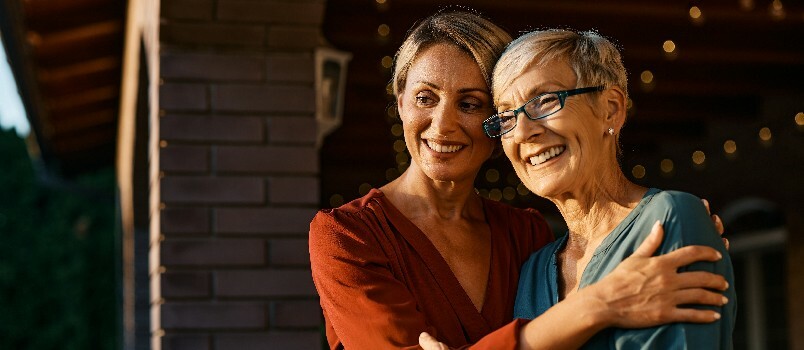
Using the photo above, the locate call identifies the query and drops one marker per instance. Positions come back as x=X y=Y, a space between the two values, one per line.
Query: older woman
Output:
x=427 y=253
x=561 y=97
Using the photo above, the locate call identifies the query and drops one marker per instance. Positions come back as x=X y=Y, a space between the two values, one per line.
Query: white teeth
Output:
x=443 y=148
x=546 y=155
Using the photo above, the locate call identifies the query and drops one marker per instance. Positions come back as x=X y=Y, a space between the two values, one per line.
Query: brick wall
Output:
x=239 y=175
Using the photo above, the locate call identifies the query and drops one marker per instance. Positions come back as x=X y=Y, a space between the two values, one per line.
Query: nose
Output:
x=445 y=120
x=526 y=129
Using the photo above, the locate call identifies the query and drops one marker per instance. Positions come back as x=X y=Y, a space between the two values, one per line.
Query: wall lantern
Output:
x=330 y=82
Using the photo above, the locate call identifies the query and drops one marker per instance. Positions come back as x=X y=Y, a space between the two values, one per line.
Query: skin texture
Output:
x=442 y=108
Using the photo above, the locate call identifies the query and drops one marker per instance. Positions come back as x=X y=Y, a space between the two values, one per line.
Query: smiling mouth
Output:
x=547 y=155
x=443 y=148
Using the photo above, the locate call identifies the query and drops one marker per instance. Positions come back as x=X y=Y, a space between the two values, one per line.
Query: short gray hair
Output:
x=593 y=58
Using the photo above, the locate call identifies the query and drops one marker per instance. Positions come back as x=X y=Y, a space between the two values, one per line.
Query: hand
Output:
x=718 y=223
x=645 y=291
x=427 y=342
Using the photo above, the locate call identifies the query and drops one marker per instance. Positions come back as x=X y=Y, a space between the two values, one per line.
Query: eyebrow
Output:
x=464 y=90
x=535 y=91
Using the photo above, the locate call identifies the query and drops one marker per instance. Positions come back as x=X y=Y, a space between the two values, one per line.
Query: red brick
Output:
x=273 y=340
x=213 y=252
x=187 y=97
x=212 y=34
x=198 y=315
x=299 y=130
x=293 y=37
x=212 y=67
x=186 y=342
x=185 y=220
x=211 y=128
x=185 y=284
x=263 y=220
x=297 y=313
x=186 y=189
x=290 y=67
x=184 y=158
x=293 y=190
x=263 y=283
x=289 y=251
x=187 y=9
x=269 y=159
x=263 y=98
x=271 y=11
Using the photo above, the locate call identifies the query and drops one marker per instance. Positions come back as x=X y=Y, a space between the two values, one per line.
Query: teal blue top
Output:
x=685 y=223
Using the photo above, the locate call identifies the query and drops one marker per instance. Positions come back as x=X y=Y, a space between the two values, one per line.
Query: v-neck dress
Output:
x=685 y=222
x=382 y=282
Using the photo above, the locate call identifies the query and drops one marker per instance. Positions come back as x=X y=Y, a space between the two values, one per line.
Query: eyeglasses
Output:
x=539 y=107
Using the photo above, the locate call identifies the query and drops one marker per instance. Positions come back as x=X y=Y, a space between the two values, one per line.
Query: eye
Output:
x=425 y=99
x=471 y=105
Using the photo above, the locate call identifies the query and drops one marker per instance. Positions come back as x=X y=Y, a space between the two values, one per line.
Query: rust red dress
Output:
x=382 y=282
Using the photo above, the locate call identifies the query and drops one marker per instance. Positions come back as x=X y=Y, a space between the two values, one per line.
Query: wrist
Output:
x=595 y=312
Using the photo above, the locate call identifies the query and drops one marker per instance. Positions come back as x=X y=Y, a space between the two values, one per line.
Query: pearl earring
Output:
x=611 y=131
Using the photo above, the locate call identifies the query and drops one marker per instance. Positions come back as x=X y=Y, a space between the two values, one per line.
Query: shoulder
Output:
x=352 y=222
x=675 y=200
x=684 y=218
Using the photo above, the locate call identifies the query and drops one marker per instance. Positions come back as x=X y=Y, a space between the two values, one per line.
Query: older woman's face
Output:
x=442 y=107
x=564 y=151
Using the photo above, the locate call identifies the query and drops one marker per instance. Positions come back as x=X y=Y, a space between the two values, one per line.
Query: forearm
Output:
x=568 y=324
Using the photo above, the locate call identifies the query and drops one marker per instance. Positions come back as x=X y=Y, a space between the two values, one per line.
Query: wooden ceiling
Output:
x=67 y=56
x=725 y=64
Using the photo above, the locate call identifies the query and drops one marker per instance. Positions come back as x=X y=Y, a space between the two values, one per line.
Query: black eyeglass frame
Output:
x=493 y=123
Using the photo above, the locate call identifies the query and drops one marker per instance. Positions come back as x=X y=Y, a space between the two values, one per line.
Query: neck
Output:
x=592 y=211
x=417 y=195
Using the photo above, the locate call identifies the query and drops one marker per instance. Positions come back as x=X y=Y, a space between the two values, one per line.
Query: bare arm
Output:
x=643 y=291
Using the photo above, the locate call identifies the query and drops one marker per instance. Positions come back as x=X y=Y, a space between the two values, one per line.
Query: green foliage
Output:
x=57 y=257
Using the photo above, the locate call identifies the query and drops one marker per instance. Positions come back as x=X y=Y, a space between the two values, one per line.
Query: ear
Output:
x=614 y=97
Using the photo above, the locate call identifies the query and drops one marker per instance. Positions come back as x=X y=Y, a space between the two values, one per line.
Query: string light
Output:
x=777 y=10
x=380 y=1
x=399 y=146
x=396 y=130
x=401 y=158
x=492 y=175
x=669 y=46
x=495 y=194
x=698 y=157
x=765 y=134
x=483 y=192
x=402 y=167
x=336 y=200
x=695 y=12
x=509 y=193
x=646 y=76
x=522 y=189
x=747 y=5
x=800 y=118
x=666 y=165
x=163 y=144
x=730 y=147
x=383 y=30
x=364 y=189
x=638 y=171
x=389 y=89
x=387 y=62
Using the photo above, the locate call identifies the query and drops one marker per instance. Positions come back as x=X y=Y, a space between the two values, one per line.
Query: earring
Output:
x=611 y=131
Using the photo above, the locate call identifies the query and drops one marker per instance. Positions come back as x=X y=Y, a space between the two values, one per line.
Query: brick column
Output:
x=239 y=175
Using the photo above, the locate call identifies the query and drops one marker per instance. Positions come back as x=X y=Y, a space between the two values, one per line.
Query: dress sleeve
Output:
x=686 y=223
x=366 y=305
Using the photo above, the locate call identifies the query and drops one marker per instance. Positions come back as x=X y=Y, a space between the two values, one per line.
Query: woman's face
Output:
x=564 y=151
x=442 y=107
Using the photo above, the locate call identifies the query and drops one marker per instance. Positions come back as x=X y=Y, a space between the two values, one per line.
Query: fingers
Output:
x=699 y=296
x=690 y=254
x=427 y=342
x=702 y=279
x=706 y=204
x=693 y=315
x=726 y=242
x=718 y=224
x=652 y=242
